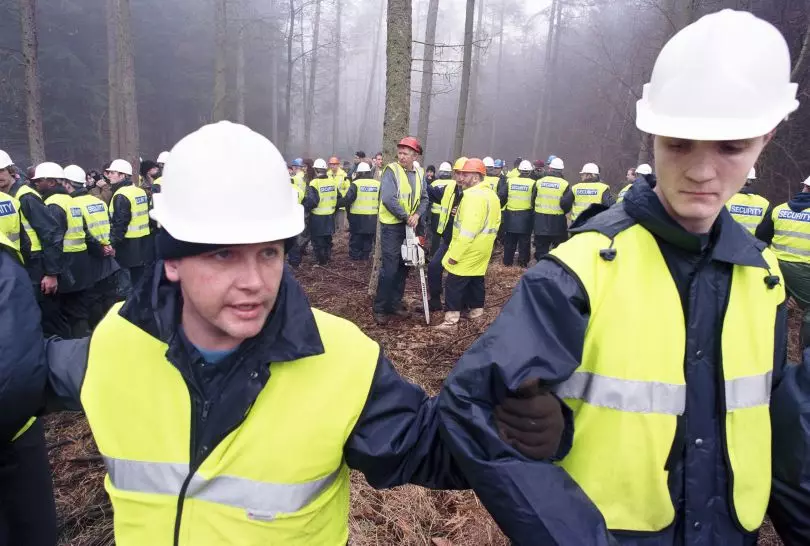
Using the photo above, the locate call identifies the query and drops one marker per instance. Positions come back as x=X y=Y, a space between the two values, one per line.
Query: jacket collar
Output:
x=290 y=332
x=54 y=191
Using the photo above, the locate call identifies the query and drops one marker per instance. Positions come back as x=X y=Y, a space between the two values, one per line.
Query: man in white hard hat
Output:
x=43 y=261
x=362 y=200
x=321 y=202
x=589 y=191
x=643 y=174
x=517 y=193
x=553 y=201
x=748 y=208
x=129 y=226
x=163 y=157
x=673 y=440
x=493 y=176
x=227 y=410
x=435 y=192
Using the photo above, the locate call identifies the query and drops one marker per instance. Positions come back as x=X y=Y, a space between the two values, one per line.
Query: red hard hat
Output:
x=334 y=161
x=412 y=143
x=474 y=165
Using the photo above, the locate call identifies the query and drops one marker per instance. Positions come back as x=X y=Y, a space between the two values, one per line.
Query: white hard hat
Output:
x=489 y=163
x=5 y=160
x=724 y=77
x=363 y=167
x=589 y=168
x=644 y=169
x=319 y=164
x=48 y=170
x=76 y=174
x=806 y=181
x=416 y=165
x=163 y=157
x=752 y=174
x=445 y=167
x=525 y=166
x=233 y=208
x=121 y=166
x=556 y=164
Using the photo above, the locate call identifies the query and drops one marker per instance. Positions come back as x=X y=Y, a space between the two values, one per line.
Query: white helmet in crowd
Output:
x=445 y=167
x=195 y=207
x=752 y=174
x=363 y=167
x=489 y=163
x=5 y=160
x=589 y=168
x=724 y=77
x=556 y=164
x=163 y=158
x=121 y=166
x=76 y=174
x=48 y=170
x=525 y=166
x=644 y=168
x=319 y=164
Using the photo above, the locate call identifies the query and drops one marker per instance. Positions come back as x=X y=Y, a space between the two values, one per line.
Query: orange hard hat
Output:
x=474 y=165
x=334 y=161
x=412 y=143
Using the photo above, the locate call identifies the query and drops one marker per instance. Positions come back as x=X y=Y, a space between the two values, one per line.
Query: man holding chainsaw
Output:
x=403 y=201
x=474 y=231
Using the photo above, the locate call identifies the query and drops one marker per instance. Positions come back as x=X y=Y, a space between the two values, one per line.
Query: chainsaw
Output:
x=414 y=256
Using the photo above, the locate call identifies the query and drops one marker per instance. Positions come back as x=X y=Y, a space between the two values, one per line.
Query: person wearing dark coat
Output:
x=517 y=193
x=133 y=254
x=553 y=201
x=450 y=193
x=321 y=202
x=362 y=201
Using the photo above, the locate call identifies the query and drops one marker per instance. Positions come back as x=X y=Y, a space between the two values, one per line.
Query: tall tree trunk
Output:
x=497 y=83
x=274 y=83
x=240 y=62
x=552 y=77
x=427 y=72
x=288 y=87
x=538 y=128
x=220 y=69
x=129 y=106
x=397 y=94
x=113 y=89
x=313 y=70
x=372 y=81
x=33 y=116
x=475 y=72
x=336 y=105
x=461 y=119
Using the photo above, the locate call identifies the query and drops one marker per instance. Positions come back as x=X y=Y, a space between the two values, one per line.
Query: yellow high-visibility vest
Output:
x=279 y=477
x=492 y=182
x=10 y=220
x=626 y=411
x=748 y=209
x=550 y=190
x=791 y=234
x=139 y=207
x=368 y=197
x=74 y=240
x=623 y=191
x=585 y=195
x=299 y=181
x=408 y=200
x=36 y=246
x=327 y=192
x=474 y=231
x=446 y=206
x=519 y=195
x=435 y=208
x=96 y=217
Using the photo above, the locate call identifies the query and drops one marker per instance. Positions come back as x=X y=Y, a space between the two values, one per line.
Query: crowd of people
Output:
x=634 y=390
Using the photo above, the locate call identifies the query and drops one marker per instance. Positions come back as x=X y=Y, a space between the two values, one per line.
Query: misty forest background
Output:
x=84 y=81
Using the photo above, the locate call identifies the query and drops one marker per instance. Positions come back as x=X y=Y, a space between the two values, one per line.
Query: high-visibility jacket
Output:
x=36 y=245
x=299 y=191
x=446 y=206
x=327 y=194
x=156 y=184
x=474 y=231
x=492 y=182
x=626 y=410
x=408 y=200
x=585 y=195
x=791 y=234
x=278 y=477
x=435 y=208
x=519 y=195
x=550 y=190
x=74 y=240
x=341 y=180
x=139 y=206
x=624 y=190
x=748 y=209
x=299 y=181
x=10 y=220
x=7 y=242
x=514 y=173
x=368 y=197
x=96 y=217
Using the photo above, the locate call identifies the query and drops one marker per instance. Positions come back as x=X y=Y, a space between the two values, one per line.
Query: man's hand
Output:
x=413 y=220
x=49 y=284
x=108 y=250
x=451 y=261
x=531 y=421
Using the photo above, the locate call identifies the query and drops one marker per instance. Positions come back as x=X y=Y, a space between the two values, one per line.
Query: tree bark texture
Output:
x=288 y=87
x=498 y=77
x=129 y=106
x=461 y=118
x=551 y=80
x=240 y=64
x=220 y=60
x=427 y=72
x=365 y=122
x=309 y=112
x=33 y=115
x=475 y=72
x=546 y=80
x=336 y=103
x=113 y=92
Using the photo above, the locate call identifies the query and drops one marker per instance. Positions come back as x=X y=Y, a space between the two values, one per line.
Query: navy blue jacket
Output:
x=540 y=334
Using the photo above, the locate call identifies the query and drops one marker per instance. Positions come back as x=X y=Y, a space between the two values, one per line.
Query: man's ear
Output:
x=172 y=269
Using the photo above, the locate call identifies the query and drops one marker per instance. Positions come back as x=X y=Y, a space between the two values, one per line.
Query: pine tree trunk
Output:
x=240 y=75
x=113 y=89
x=288 y=87
x=220 y=69
x=129 y=106
x=551 y=79
x=461 y=118
x=274 y=84
x=33 y=116
x=336 y=104
x=475 y=73
x=498 y=78
x=309 y=113
x=372 y=82
x=427 y=72
x=541 y=111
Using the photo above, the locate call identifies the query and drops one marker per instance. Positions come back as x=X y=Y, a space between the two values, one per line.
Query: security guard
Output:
x=44 y=261
x=448 y=198
x=590 y=191
x=553 y=201
x=298 y=176
x=515 y=172
x=321 y=203
x=363 y=201
x=163 y=157
x=747 y=207
x=104 y=292
x=435 y=193
x=672 y=427
x=11 y=225
x=129 y=226
x=341 y=180
x=251 y=405
x=642 y=174
x=493 y=176
x=474 y=231
x=403 y=200
x=78 y=275
x=517 y=193
x=294 y=247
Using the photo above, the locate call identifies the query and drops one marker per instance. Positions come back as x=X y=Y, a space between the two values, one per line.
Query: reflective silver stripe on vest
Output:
x=264 y=498
x=624 y=394
x=748 y=392
x=78 y=229
x=13 y=237
x=140 y=213
x=791 y=250
x=98 y=224
x=463 y=232
x=73 y=242
x=797 y=234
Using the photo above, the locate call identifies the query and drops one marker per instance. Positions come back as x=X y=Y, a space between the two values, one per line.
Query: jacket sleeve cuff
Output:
x=567 y=440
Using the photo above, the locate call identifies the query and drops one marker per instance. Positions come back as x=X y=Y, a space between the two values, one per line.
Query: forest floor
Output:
x=406 y=515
